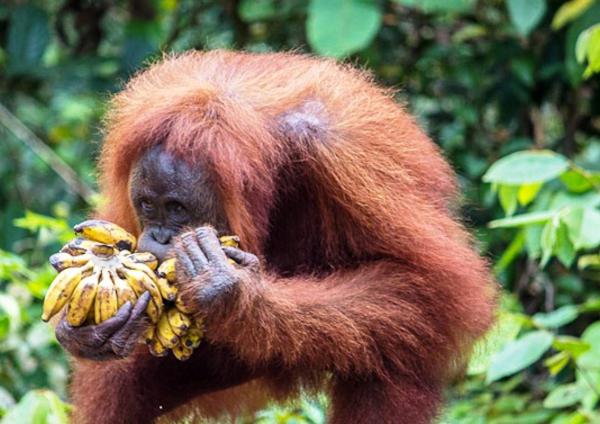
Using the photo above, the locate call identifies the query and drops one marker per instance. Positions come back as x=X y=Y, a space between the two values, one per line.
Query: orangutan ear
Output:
x=304 y=124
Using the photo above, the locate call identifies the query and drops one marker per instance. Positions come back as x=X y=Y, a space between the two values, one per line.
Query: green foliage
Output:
x=509 y=90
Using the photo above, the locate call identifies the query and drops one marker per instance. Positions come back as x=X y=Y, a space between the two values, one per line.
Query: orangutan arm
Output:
x=377 y=315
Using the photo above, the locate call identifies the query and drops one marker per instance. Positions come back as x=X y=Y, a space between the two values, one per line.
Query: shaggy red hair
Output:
x=371 y=288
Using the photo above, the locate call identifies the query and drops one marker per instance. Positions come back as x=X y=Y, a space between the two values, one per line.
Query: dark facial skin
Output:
x=181 y=216
x=168 y=196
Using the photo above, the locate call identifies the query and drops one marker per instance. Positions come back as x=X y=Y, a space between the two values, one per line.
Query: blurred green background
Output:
x=507 y=88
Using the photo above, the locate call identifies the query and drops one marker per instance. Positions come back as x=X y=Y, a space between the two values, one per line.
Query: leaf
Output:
x=571 y=345
x=439 y=6
x=28 y=37
x=563 y=396
x=555 y=319
x=508 y=198
x=340 y=27
x=563 y=247
x=569 y=11
x=548 y=240
x=588 y=48
x=505 y=330
x=583 y=225
x=519 y=355
x=556 y=363
x=38 y=406
x=523 y=219
x=528 y=192
x=526 y=167
x=575 y=181
x=526 y=14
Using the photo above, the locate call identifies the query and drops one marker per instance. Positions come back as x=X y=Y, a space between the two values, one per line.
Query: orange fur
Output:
x=370 y=285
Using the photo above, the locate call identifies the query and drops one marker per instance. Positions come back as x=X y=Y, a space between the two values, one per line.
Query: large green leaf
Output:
x=519 y=354
x=526 y=14
x=527 y=167
x=563 y=396
x=28 y=37
x=340 y=27
x=558 y=318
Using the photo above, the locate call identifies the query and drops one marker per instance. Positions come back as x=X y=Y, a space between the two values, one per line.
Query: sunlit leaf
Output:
x=522 y=219
x=526 y=14
x=555 y=319
x=556 y=363
x=527 y=167
x=563 y=396
x=508 y=198
x=570 y=11
x=571 y=345
x=505 y=330
x=341 y=27
x=528 y=192
x=519 y=355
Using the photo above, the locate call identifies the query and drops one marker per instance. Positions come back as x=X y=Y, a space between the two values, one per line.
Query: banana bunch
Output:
x=98 y=273
x=176 y=329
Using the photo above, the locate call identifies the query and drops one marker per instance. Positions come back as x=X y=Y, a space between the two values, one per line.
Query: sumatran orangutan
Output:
x=354 y=277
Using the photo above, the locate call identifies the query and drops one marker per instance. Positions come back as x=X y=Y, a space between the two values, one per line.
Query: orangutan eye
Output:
x=175 y=208
x=147 y=207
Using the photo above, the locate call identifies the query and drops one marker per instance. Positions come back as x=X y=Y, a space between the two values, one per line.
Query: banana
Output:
x=141 y=282
x=146 y=258
x=181 y=306
x=193 y=337
x=60 y=261
x=106 y=232
x=167 y=290
x=149 y=334
x=229 y=241
x=165 y=333
x=82 y=299
x=124 y=291
x=167 y=270
x=157 y=348
x=178 y=321
x=60 y=291
x=106 y=303
x=182 y=352
x=80 y=246
x=128 y=263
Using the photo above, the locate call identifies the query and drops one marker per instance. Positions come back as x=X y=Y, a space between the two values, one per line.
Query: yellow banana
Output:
x=145 y=258
x=157 y=348
x=60 y=291
x=179 y=321
x=167 y=270
x=124 y=291
x=182 y=352
x=82 y=300
x=62 y=260
x=106 y=303
x=140 y=282
x=165 y=333
x=193 y=337
x=106 y=232
x=181 y=306
x=148 y=334
x=229 y=241
x=80 y=246
x=167 y=290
